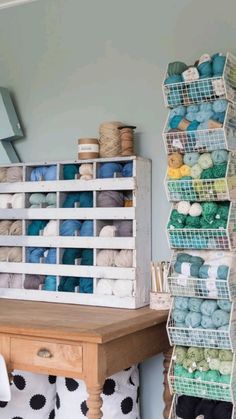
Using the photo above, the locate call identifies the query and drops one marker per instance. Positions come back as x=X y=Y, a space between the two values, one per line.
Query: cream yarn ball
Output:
x=195 y=210
x=183 y=207
x=108 y=231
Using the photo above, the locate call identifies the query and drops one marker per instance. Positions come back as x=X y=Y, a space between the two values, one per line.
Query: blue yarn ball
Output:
x=178 y=111
x=51 y=173
x=220 y=105
x=71 y=199
x=205 y=69
x=194 y=304
x=208 y=307
x=193 y=108
x=34 y=254
x=218 y=64
x=193 y=320
x=203 y=126
x=220 y=318
x=181 y=303
x=175 y=78
x=191 y=116
x=69 y=227
x=219 y=156
x=86 y=228
x=86 y=199
x=38 y=173
x=219 y=117
x=193 y=126
x=205 y=107
x=50 y=283
x=207 y=322
x=107 y=170
x=51 y=257
x=224 y=305
x=222 y=272
x=127 y=170
x=203 y=116
x=175 y=121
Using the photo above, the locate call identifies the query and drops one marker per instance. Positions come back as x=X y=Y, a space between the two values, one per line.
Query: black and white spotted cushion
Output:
x=48 y=397
x=33 y=397
x=120 y=397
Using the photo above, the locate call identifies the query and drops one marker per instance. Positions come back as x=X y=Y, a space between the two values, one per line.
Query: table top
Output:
x=73 y=322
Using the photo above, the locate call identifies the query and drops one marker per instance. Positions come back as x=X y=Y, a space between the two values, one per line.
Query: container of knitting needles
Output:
x=160 y=297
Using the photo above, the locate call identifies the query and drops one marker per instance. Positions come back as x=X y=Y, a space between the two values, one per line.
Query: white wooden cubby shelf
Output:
x=138 y=187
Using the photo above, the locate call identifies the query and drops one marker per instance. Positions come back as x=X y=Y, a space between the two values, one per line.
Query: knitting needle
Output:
x=153 y=274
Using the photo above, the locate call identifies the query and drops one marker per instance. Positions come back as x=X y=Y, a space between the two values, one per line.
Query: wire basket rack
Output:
x=201 y=239
x=221 y=189
x=203 y=90
x=203 y=389
x=203 y=140
x=173 y=414
x=188 y=286
x=203 y=338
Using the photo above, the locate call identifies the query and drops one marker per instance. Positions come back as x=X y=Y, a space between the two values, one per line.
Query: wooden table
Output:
x=87 y=343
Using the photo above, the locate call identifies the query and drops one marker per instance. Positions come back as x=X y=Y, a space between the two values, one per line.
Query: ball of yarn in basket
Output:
x=5 y=226
x=195 y=210
x=37 y=198
x=176 y=67
x=70 y=227
x=207 y=322
x=108 y=170
x=70 y=255
x=191 y=158
x=175 y=160
x=195 y=304
x=16 y=281
x=220 y=318
x=127 y=170
x=110 y=199
x=124 y=259
x=70 y=171
x=218 y=64
x=18 y=200
x=71 y=199
x=208 y=307
x=34 y=254
x=174 y=173
x=106 y=257
x=180 y=354
x=4 y=280
x=110 y=143
x=219 y=156
x=51 y=198
x=123 y=288
x=50 y=283
x=86 y=169
x=181 y=303
x=33 y=282
x=196 y=171
x=224 y=305
x=108 y=231
x=185 y=170
x=124 y=228
x=5 y=200
x=205 y=161
x=219 y=170
x=50 y=229
x=105 y=286
x=14 y=174
x=14 y=254
x=183 y=207
x=226 y=355
x=50 y=256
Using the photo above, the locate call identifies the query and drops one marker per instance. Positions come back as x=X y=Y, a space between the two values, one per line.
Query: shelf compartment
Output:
x=203 y=90
x=188 y=286
x=173 y=414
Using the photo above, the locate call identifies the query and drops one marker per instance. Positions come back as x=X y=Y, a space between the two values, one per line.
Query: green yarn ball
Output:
x=180 y=354
x=225 y=379
x=203 y=366
x=207 y=173
x=184 y=257
x=219 y=170
x=213 y=376
x=195 y=354
x=177 y=67
x=200 y=375
x=193 y=222
x=222 y=213
x=209 y=210
x=189 y=365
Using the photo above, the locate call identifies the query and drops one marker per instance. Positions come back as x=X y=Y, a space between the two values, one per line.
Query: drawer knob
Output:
x=44 y=353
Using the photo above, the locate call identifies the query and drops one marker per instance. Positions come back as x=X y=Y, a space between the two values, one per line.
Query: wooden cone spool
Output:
x=127 y=140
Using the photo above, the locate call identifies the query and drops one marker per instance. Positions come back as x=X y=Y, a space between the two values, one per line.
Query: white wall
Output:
x=72 y=64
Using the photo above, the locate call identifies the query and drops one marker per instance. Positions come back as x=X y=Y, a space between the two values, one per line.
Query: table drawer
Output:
x=48 y=357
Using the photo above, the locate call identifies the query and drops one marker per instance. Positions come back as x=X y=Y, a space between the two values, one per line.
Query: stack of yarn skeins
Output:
x=188 y=407
x=204 y=69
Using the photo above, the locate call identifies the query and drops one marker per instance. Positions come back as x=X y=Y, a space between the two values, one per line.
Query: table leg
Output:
x=167 y=395
x=94 y=402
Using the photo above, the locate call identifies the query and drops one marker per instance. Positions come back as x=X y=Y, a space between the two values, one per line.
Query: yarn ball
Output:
x=205 y=161
x=220 y=105
x=106 y=257
x=195 y=354
x=193 y=320
x=219 y=117
x=3 y=174
x=50 y=256
x=205 y=106
x=71 y=199
x=203 y=365
x=185 y=170
x=207 y=322
x=70 y=171
x=86 y=199
x=50 y=283
x=38 y=173
x=51 y=173
x=35 y=227
x=5 y=226
x=34 y=254
x=184 y=257
x=16 y=281
x=108 y=170
x=224 y=305
x=110 y=199
x=50 y=229
x=183 y=207
x=37 y=198
x=68 y=284
x=14 y=174
x=86 y=229
x=175 y=160
x=86 y=169
x=123 y=288
x=70 y=255
x=178 y=111
x=127 y=170
x=195 y=210
x=108 y=231
x=70 y=227
x=180 y=354
x=225 y=355
x=18 y=200
x=195 y=304
x=218 y=65
x=219 y=156
x=105 y=286
x=209 y=210
x=16 y=228
x=177 y=67
x=226 y=367
x=193 y=222
x=175 y=78
x=179 y=316
x=33 y=282
x=196 y=171
x=181 y=303
x=208 y=307
x=205 y=67
x=207 y=174
x=174 y=173
x=124 y=259
x=210 y=353
x=124 y=228
x=190 y=159
x=51 y=198
x=220 y=318
x=219 y=170
x=203 y=116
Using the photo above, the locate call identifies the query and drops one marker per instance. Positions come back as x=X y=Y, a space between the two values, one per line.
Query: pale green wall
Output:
x=74 y=63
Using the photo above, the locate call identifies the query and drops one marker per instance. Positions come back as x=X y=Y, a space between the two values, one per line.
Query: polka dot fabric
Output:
x=32 y=397
x=120 y=397
x=48 y=397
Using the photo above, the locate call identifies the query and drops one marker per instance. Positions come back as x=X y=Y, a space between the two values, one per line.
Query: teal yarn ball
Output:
x=222 y=272
x=193 y=222
x=219 y=117
x=51 y=198
x=195 y=304
x=207 y=322
x=213 y=376
x=197 y=259
x=184 y=257
x=219 y=170
x=37 y=198
x=50 y=283
x=190 y=159
x=177 y=111
x=205 y=69
x=191 y=116
x=208 y=307
x=86 y=199
x=207 y=173
x=224 y=305
x=222 y=212
x=177 y=67
x=218 y=65
x=200 y=375
x=70 y=255
x=68 y=284
x=71 y=199
x=175 y=78
x=209 y=211
x=203 y=116
x=175 y=121
x=194 y=268
x=70 y=171
x=193 y=320
x=225 y=378
x=220 y=105
x=193 y=126
x=181 y=303
x=35 y=227
x=220 y=318
x=179 y=316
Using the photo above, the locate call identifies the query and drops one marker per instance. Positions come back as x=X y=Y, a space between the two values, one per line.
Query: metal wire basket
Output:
x=203 y=389
x=201 y=239
x=203 y=338
x=203 y=90
x=221 y=189
x=173 y=414
x=203 y=140
x=188 y=286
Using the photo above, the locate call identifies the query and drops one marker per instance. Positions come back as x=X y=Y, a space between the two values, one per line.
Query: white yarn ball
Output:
x=50 y=229
x=195 y=210
x=5 y=199
x=124 y=259
x=108 y=231
x=18 y=200
x=123 y=288
x=16 y=281
x=105 y=287
x=183 y=207
x=106 y=257
x=86 y=169
x=86 y=177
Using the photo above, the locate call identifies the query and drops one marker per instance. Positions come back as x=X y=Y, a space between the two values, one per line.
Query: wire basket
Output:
x=203 y=140
x=203 y=338
x=221 y=189
x=203 y=90
x=203 y=389
x=187 y=286
x=201 y=239
x=173 y=414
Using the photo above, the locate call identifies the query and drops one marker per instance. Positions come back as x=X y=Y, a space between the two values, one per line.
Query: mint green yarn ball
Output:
x=193 y=222
x=219 y=170
x=209 y=210
x=207 y=173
